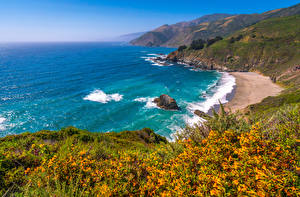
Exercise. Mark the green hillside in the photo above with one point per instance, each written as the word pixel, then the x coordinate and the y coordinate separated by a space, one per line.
pixel 212 26
pixel 271 47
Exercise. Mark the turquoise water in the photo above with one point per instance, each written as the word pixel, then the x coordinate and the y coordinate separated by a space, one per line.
pixel 99 87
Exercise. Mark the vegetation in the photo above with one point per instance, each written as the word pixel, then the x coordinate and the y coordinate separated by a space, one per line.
pixel 181 48
pixel 207 27
pixel 271 47
pixel 225 156
pixel 238 38
pixel 197 44
pixel 211 41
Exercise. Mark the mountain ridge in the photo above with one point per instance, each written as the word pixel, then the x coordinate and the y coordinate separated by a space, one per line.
pixel 165 33
pixel 222 25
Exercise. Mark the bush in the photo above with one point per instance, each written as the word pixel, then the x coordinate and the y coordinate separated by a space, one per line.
pixel 181 48
pixel 223 164
pixel 212 41
pixel 238 38
pixel 197 44
pixel 218 122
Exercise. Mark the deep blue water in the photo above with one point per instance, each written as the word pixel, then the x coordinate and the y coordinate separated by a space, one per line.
pixel 96 86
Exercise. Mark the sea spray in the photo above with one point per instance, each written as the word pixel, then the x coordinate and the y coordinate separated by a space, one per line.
pixel 102 97
pixel 148 100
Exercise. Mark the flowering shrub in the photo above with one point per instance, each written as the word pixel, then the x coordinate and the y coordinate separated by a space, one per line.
pixel 263 160
pixel 227 164
pixel 223 164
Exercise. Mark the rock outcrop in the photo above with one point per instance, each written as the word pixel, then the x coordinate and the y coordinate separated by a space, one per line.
pixel 166 102
pixel 201 114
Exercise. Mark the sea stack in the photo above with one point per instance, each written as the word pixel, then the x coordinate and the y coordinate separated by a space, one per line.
pixel 166 102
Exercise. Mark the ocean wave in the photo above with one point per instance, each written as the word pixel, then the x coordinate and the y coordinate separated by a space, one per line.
pixel 162 64
pixel 148 100
pixel 196 70
pixel 223 88
pixel 153 54
pixel 5 98
pixel 193 120
pixel 102 97
pixel 2 126
pixel 155 61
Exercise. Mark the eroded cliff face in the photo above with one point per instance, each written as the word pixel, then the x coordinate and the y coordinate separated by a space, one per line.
pixel 197 60
pixel 279 69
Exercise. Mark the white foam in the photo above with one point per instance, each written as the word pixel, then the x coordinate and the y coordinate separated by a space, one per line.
pixel 162 65
pixel 152 54
pixel 193 120
pixel 148 100
pixel 2 126
pixel 2 120
pixel 156 62
pixel 196 70
pixel 5 98
pixel 100 96
pixel 227 83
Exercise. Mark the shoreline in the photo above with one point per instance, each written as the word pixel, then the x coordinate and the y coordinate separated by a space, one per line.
pixel 250 88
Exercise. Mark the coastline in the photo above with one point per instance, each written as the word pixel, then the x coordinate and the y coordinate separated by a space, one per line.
pixel 247 88
pixel 250 88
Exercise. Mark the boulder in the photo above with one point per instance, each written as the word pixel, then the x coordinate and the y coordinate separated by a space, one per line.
pixel 166 102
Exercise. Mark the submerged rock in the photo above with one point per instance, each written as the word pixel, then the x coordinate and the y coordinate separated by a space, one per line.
pixel 166 102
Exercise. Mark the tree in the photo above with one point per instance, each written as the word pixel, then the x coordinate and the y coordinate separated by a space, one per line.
pixel 197 44
pixel 239 37
pixel 181 48
pixel 211 41
pixel 232 40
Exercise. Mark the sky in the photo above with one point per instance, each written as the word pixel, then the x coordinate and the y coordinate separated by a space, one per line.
pixel 96 20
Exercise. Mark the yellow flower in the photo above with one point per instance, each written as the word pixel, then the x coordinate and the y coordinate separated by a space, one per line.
pixel 27 170
pixel 214 192
pixel 235 182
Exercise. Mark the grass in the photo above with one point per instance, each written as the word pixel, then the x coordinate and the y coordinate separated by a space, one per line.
pixel 271 47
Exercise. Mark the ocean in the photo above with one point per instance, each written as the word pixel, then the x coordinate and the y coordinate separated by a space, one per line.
pixel 100 87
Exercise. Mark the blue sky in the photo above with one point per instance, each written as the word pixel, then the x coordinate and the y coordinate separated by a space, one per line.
pixel 93 20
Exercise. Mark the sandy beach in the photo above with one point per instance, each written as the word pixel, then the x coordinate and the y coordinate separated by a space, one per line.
pixel 251 88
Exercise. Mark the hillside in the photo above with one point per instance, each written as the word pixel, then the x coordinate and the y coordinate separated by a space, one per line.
pixel 207 27
pixel 271 47
pixel 166 34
